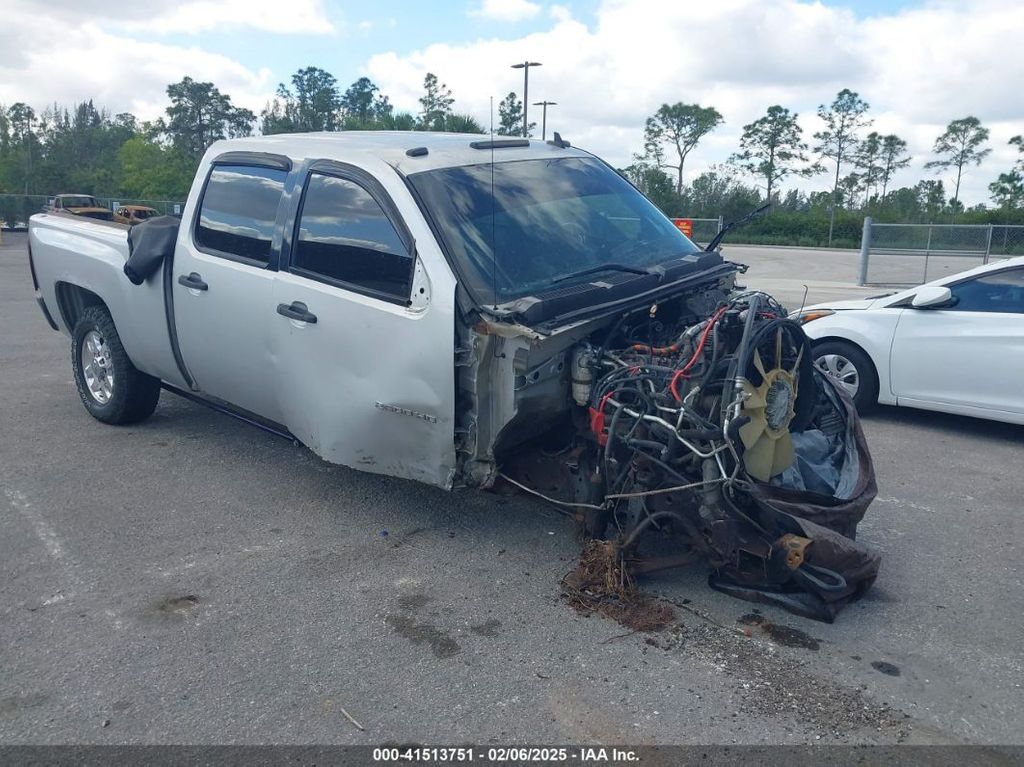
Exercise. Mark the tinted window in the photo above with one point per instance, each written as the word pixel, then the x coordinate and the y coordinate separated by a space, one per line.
pixel 517 227
pixel 239 210
pixel 345 236
pixel 1001 292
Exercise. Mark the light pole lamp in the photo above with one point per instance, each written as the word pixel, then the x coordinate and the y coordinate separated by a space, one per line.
pixel 544 119
pixel 525 66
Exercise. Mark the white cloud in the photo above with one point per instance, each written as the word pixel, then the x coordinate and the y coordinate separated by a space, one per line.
pixel 295 16
pixel 66 52
pixel 506 10
pixel 68 60
pixel 919 69
pixel 188 16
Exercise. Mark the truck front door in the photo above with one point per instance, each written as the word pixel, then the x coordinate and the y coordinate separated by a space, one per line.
pixel 363 338
pixel 223 283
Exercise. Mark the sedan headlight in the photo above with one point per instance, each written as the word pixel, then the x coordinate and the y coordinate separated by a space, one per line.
pixel 808 315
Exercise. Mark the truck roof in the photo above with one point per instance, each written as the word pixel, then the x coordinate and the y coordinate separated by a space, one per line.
pixel 443 150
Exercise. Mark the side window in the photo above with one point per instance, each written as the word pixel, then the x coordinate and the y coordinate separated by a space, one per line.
pixel 1000 292
pixel 345 237
pixel 238 212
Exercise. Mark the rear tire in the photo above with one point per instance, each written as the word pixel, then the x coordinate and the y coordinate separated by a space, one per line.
pixel 112 389
pixel 852 369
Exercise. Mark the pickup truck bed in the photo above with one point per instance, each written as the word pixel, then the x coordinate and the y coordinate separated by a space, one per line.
pixel 84 259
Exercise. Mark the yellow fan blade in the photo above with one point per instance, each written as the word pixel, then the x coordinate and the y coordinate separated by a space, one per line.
pixel 759 458
pixel 784 454
pixel 758 364
pixel 796 366
pixel 751 430
pixel 755 399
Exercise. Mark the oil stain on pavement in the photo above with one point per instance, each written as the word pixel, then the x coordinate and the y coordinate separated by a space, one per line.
pixel 420 631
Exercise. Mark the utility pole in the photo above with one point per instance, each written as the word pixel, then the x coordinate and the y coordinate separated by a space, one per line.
pixel 544 119
pixel 525 66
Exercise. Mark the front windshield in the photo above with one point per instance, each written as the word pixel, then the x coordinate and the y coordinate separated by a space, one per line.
pixel 548 219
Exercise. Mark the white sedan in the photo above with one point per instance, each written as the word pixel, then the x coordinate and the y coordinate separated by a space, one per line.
pixel 954 345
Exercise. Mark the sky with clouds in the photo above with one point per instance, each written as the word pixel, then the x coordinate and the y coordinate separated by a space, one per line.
pixel 608 64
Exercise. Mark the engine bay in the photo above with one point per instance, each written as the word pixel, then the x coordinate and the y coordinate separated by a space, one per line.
pixel 698 429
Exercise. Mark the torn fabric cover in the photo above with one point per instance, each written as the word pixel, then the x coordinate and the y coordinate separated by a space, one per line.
pixel 839 510
pixel 829 521
pixel 148 244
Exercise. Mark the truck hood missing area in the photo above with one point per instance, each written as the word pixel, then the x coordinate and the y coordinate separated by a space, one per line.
pixel 698 430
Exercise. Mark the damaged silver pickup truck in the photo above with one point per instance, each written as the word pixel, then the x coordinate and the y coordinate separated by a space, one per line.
pixel 463 311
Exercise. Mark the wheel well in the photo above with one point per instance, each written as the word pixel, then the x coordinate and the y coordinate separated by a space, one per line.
pixel 72 300
pixel 841 340
pixel 867 355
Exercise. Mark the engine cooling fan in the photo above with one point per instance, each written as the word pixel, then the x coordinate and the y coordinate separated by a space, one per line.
pixel 771 407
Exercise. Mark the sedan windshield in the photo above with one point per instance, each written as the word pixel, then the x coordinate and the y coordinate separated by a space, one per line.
pixel 559 221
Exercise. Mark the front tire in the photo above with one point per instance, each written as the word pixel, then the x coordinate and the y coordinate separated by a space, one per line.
pixel 112 389
pixel 848 366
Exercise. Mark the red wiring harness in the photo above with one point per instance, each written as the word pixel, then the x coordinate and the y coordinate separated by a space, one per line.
pixel 597 414
pixel 681 373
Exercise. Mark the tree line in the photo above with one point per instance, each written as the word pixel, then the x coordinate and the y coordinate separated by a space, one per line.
pixel 861 167
pixel 86 149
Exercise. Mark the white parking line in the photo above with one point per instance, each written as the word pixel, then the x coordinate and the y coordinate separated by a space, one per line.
pixel 71 582
pixel 43 530
pixel 907 504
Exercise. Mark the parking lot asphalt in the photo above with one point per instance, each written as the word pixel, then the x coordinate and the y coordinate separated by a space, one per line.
pixel 194 580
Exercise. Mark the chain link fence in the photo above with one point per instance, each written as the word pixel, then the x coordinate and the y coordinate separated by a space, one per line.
pixel 705 229
pixel 910 254
pixel 700 230
pixel 15 209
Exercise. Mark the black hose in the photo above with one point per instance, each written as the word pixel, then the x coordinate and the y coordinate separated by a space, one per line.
pixel 648 443
pixel 608 337
pixel 715 353
pixel 649 520
pixel 611 439
pixel 685 480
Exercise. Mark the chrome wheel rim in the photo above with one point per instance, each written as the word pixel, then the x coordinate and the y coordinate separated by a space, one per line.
pixel 97 367
pixel 841 370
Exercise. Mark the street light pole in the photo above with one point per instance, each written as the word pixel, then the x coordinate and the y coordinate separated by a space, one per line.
pixel 525 66
pixel 544 119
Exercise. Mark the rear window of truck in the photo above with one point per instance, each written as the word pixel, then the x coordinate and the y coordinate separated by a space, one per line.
pixel 239 211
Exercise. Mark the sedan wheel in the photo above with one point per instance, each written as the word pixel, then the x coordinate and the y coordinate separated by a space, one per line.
pixel 842 370
pixel 850 369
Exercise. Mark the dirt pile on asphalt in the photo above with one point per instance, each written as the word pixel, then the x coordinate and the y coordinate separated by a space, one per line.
pixel 601 583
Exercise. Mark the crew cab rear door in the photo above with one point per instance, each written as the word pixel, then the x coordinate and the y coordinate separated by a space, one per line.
pixel 364 349
pixel 223 281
